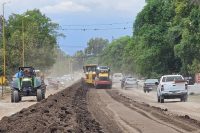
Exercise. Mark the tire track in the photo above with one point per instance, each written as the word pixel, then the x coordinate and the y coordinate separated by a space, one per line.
pixel 157 114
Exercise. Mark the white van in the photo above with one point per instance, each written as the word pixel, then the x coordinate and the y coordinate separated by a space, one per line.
pixel 117 77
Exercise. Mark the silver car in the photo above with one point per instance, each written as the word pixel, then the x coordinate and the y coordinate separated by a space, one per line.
pixel 130 83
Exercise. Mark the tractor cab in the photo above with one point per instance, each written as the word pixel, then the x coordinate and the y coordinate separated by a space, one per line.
pixel 27 71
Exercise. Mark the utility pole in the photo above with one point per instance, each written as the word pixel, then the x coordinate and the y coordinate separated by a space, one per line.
pixel 4 43
pixel 23 41
pixel 3 78
pixel 23 45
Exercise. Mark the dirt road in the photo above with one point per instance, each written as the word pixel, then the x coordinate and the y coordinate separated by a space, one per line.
pixel 190 108
pixel 84 110
pixel 123 114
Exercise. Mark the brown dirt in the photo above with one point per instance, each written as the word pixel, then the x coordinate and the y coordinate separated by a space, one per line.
pixel 65 111
pixel 180 122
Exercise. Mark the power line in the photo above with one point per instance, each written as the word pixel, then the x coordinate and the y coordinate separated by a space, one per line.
pixel 74 46
pixel 95 29
pixel 100 24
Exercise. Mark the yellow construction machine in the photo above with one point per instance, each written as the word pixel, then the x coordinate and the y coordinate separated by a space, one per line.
pixel 102 79
pixel 90 73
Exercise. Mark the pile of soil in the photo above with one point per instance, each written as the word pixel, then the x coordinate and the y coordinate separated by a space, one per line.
pixel 65 111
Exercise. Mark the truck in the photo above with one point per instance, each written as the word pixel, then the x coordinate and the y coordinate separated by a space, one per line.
pixel 172 87
pixel 102 79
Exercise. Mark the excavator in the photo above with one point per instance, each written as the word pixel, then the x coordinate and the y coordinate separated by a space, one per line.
pixel 102 79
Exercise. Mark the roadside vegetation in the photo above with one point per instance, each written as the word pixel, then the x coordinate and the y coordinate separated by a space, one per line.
pixel 40 41
pixel 165 40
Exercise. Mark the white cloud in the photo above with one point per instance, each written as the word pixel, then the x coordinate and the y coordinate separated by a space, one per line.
pixel 123 6
pixel 59 7
pixel 65 6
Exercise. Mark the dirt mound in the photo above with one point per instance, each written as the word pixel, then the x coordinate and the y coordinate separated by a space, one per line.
pixel 65 111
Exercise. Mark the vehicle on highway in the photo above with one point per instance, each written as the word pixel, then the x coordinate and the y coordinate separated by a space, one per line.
pixel 117 77
pixel 102 79
pixel 171 87
pixel 90 74
pixel 130 82
pixel 149 84
pixel 27 84
pixel 123 80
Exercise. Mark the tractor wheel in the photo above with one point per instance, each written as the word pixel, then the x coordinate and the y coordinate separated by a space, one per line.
pixel 39 95
pixel 20 98
pixel 12 98
pixel 43 95
pixel 15 97
pixel 96 86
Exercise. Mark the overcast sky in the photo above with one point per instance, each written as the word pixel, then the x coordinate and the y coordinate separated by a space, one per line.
pixel 111 16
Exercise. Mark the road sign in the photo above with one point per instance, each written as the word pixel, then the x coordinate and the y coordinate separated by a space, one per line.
pixel 2 80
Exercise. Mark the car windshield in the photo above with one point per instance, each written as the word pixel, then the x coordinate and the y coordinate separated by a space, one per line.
pixel 151 81
pixel 117 75
pixel 173 78
pixel 130 79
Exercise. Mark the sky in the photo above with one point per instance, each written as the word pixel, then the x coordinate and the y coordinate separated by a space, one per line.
pixel 81 20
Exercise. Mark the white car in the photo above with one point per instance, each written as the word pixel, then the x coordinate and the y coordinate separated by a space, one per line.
pixel 130 83
pixel 171 87
pixel 117 77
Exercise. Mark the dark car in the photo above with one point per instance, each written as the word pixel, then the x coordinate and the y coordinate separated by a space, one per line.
pixel 149 84
pixel 190 80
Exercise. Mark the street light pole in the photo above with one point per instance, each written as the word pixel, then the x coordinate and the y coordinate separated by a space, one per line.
pixel 23 42
pixel 4 43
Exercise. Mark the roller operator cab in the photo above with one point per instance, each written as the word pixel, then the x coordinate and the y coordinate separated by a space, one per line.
pixel 102 79
pixel 90 73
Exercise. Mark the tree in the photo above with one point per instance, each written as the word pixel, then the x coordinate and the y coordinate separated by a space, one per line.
pixel 113 54
pixel 96 45
pixel 40 38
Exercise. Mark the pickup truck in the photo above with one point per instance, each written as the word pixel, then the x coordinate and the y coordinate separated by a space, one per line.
pixel 171 87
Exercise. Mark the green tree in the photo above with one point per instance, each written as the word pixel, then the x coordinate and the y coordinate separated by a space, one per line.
pixel 113 54
pixel 40 38
pixel 96 45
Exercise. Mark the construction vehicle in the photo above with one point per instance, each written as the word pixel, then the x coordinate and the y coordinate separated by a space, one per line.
pixel 26 83
pixel 102 79
pixel 90 74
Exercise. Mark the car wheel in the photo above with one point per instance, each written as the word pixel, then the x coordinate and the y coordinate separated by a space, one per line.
pixel 184 98
pixel 162 100
pixel 158 99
